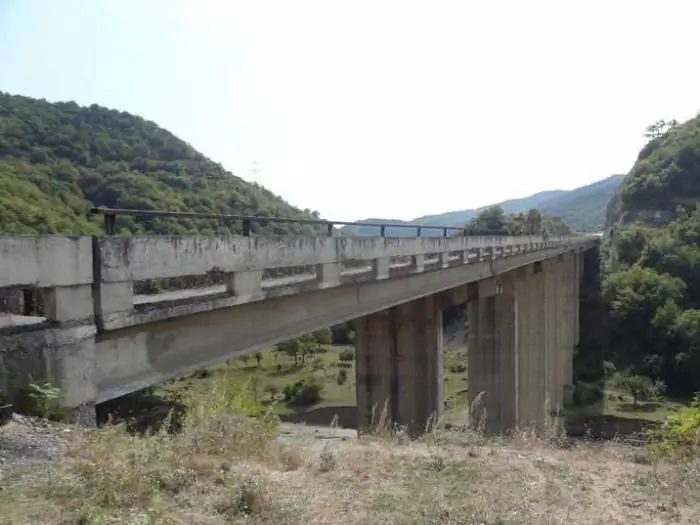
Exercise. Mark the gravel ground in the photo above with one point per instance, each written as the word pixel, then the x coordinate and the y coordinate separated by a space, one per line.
pixel 30 441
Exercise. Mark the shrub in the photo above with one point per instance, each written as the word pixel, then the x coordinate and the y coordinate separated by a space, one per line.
pixel 679 435
pixel 303 392
pixel 642 388
pixel 342 376
pixel 272 390
pixel 458 368
pixel 45 401
pixel 346 356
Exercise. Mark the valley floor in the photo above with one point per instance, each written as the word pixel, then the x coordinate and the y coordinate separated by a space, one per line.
pixel 208 464
pixel 222 468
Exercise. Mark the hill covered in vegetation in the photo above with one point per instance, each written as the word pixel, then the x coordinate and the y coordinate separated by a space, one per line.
pixel 59 159
pixel 666 175
pixel 652 281
pixel 581 209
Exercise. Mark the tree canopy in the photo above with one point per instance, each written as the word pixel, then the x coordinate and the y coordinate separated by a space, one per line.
pixel 59 159
pixel 652 281
pixel 495 221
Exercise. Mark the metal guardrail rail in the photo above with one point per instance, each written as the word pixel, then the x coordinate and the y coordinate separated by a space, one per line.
pixel 110 215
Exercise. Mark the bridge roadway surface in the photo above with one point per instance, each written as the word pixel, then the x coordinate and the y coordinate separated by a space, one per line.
pixel 98 340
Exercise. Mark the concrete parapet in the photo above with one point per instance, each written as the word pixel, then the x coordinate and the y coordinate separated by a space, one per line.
pixel 87 287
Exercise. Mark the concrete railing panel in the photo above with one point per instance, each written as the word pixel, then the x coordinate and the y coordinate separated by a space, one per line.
pixel 45 261
pixel 141 258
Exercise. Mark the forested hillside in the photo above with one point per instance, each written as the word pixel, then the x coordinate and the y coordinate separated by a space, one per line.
pixel 58 159
pixel 652 282
pixel 581 209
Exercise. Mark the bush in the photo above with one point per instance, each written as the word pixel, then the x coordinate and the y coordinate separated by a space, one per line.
pixel 303 392
pixel 458 368
pixel 642 388
pixel 272 390
pixel 679 436
pixel 342 376
pixel 45 401
pixel 346 356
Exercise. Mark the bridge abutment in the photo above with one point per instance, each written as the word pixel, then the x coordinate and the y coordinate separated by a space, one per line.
pixel 399 366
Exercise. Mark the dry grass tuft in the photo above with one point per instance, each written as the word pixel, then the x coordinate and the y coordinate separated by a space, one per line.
pixel 225 468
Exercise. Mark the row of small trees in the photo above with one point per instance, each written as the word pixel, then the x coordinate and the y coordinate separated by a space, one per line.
pixel 305 345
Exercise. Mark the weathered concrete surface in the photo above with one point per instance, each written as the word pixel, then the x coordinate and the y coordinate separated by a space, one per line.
pixel 149 352
pixel 398 365
pixel 45 261
pixel 99 341
pixel 131 258
pixel 492 357
pixel 63 355
pixel 521 345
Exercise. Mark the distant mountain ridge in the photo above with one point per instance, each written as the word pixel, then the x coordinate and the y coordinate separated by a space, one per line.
pixel 582 209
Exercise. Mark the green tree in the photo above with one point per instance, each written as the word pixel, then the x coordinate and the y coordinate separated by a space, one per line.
pixel 642 388
pixel 637 298
pixel 533 222
pixel 323 336
pixel 59 159
pixel 291 348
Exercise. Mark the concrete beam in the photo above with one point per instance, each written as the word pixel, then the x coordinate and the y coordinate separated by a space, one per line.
pixel 185 303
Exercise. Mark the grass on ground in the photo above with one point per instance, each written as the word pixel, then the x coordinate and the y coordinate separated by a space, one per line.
pixel 222 468
pixel 617 414
pixel 275 370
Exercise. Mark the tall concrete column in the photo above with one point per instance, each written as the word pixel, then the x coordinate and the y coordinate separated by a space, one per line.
pixel 531 343
pixel 399 366
pixel 568 326
pixel 492 359
pixel 553 346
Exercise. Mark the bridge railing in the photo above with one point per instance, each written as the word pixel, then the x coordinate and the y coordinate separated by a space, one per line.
pixel 98 278
pixel 248 222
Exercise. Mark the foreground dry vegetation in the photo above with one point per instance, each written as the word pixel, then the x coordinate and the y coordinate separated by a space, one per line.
pixel 221 467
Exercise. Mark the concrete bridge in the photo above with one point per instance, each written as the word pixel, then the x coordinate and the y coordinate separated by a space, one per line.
pixel 78 321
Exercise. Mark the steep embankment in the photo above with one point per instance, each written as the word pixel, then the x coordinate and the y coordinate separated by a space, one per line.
pixel 666 175
pixel 58 159
pixel 652 286
pixel 581 209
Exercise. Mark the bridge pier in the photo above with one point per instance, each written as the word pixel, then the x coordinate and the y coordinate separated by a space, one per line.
pixel 70 354
pixel 521 346
pixel 491 360
pixel 570 294
pixel 399 366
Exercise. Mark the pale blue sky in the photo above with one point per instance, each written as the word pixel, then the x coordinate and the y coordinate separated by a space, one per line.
pixel 390 108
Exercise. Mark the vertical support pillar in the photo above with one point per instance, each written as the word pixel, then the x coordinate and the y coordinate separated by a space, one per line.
pixel 531 331
pixel 492 359
pixel 567 296
pixel 70 348
pixel 399 366
pixel 553 321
